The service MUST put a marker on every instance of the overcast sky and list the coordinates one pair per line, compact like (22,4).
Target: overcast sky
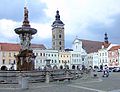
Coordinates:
(86,19)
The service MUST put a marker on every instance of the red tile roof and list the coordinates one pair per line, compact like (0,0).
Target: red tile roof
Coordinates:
(38,46)
(91,46)
(9,47)
(114,48)
(16,47)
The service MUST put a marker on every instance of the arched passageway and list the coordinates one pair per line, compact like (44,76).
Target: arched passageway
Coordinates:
(73,66)
(4,68)
(61,67)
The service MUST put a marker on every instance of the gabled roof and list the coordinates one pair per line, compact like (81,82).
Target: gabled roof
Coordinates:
(16,47)
(9,47)
(114,48)
(91,46)
(38,46)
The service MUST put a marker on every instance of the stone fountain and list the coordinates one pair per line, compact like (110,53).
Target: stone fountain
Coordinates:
(25,58)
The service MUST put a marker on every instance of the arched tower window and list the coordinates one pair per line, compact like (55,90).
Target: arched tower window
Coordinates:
(53,36)
(60,43)
(60,36)
(53,43)
(60,48)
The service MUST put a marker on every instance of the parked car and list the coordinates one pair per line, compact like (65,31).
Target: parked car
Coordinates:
(116,69)
(99,70)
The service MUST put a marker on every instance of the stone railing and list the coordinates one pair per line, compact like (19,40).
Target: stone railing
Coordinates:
(38,76)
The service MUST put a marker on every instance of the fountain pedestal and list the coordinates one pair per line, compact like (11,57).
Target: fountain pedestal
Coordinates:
(25,58)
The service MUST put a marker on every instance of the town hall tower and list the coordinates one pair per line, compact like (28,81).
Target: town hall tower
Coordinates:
(58,33)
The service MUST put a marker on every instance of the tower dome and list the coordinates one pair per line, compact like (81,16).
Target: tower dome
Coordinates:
(57,20)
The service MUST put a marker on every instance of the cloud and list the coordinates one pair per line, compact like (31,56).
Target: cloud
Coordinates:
(8,35)
(7,28)
(14,10)
(87,19)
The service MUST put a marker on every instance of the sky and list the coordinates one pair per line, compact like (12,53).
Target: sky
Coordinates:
(85,19)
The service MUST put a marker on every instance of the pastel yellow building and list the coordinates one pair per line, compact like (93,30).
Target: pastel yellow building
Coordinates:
(7,55)
(64,58)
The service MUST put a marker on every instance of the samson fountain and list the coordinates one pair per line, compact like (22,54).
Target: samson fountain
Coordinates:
(25,58)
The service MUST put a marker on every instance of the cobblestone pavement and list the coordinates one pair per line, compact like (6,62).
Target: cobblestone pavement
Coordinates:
(110,84)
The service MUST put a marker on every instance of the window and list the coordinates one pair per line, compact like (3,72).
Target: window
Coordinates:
(40,61)
(52,61)
(3,61)
(105,53)
(53,36)
(60,43)
(103,60)
(60,36)
(82,59)
(9,54)
(68,61)
(60,48)
(3,54)
(40,54)
(36,54)
(14,62)
(102,54)
(55,61)
(14,54)
(100,60)
(59,61)
(53,43)
(36,61)
(10,61)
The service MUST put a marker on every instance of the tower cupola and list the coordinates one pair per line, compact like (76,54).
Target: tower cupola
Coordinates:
(106,39)
(57,21)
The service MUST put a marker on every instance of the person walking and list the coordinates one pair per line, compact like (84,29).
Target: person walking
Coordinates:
(106,71)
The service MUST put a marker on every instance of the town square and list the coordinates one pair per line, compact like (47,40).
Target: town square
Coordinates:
(47,48)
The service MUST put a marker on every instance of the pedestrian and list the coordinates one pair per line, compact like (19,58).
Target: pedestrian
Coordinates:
(106,71)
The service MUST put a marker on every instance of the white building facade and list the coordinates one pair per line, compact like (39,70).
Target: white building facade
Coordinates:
(93,59)
(78,55)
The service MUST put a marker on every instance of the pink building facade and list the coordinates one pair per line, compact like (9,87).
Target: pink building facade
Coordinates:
(113,56)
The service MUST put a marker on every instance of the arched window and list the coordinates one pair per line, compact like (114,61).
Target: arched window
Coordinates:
(53,43)
(60,48)
(60,43)
(73,67)
(61,67)
(53,36)
(60,36)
